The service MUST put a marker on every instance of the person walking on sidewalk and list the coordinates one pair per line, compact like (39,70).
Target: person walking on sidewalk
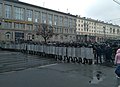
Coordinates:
(117,62)
(117,57)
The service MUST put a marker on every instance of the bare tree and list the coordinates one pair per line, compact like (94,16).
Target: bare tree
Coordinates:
(46,31)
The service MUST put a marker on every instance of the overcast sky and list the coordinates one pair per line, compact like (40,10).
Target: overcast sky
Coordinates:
(104,10)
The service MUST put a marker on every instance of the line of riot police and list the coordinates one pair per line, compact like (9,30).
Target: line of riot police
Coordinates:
(65,52)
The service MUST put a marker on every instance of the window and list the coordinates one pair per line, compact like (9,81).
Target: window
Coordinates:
(66,22)
(113,30)
(66,30)
(8,11)
(55,20)
(110,30)
(61,21)
(61,30)
(29,27)
(50,18)
(19,13)
(36,16)
(44,17)
(8,25)
(118,31)
(19,26)
(56,30)
(74,23)
(29,14)
(7,35)
(30,36)
(19,35)
(70,23)
(86,26)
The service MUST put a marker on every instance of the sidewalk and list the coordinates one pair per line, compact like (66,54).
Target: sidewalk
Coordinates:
(61,75)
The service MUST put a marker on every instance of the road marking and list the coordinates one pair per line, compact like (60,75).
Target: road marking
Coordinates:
(48,65)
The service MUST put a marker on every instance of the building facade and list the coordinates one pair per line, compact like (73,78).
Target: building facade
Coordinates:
(20,21)
(90,30)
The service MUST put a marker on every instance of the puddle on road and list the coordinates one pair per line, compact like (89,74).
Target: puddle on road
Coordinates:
(98,77)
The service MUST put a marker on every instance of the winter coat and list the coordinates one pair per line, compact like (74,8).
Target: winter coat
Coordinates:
(117,57)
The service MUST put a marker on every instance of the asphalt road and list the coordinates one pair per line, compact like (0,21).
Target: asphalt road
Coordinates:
(52,74)
(15,61)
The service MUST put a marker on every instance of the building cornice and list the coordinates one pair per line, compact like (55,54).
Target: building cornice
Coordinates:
(27,4)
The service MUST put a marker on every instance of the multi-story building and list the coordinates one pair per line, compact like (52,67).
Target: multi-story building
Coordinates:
(91,30)
(20,21)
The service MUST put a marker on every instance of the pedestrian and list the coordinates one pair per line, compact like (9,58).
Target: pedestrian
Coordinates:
(98,52)
(103,52)
(94,51)
(117,62)
(108,53)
